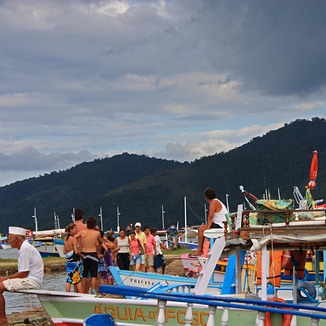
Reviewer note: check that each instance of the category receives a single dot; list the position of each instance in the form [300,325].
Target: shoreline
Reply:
[10,266]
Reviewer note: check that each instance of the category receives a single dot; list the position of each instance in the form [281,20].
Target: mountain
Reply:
[140,185]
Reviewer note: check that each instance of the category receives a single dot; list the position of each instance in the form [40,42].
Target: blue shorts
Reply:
[135,260]
[159,261]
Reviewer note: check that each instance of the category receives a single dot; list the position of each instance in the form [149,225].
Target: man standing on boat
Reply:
[30,269]
[216,216]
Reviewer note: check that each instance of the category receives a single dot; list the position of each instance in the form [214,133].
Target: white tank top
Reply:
[123,244]
[219,217]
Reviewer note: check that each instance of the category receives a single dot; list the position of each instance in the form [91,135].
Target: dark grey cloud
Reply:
[29,159]
[275,47]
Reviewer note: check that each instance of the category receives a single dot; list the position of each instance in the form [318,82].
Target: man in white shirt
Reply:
[30,269]
[159,259]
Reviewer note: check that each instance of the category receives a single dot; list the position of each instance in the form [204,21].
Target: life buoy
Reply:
[29,234]
[286,317]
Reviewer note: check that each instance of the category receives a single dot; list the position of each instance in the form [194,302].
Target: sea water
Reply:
[16,302]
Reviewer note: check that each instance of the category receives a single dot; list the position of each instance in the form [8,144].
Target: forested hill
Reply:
[81,186]
[140,185]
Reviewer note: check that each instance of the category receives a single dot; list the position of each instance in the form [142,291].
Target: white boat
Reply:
[59,244]
[49,249]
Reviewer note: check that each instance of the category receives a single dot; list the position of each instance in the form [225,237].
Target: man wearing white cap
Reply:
[30,269]
[142,238]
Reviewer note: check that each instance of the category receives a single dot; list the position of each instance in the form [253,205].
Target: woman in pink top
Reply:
[135,256]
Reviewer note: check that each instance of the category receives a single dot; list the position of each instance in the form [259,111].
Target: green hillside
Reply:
[140,185]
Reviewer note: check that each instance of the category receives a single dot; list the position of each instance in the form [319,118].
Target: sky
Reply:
[172,79]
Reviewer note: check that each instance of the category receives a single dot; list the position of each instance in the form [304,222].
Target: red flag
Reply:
[313,171]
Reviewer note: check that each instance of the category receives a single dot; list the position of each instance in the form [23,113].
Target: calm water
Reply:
[16,302]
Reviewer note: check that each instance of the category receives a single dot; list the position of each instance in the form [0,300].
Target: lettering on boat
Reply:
[139,314]
[140,281]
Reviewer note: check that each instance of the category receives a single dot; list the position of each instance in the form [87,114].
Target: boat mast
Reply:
[101,218]
[35,220]
[118,219]
[73,214]
[56,221]
[163,212]
[205,210]
[227,202]
[186,226]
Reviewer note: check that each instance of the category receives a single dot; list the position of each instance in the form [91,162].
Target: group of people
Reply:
[90,252]
[141,250]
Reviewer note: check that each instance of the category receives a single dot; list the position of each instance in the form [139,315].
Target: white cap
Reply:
[138,224]
[17,230]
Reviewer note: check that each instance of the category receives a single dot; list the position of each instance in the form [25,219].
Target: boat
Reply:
[172,304]
[59,244]
[152,280]
[48,249]
[3,242]
[44,240]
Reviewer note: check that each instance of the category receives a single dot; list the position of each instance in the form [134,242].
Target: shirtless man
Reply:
[216,216]
[80,225]
[90,237]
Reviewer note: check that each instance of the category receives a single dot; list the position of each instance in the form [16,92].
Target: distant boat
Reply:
[3,243]
[44,240]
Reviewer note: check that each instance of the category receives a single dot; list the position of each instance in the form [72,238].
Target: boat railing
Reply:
[289,214]
[226,303]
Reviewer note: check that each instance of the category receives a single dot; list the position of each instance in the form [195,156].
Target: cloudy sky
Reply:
[174,79]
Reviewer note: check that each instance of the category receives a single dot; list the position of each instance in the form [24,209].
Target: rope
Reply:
[199,218]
